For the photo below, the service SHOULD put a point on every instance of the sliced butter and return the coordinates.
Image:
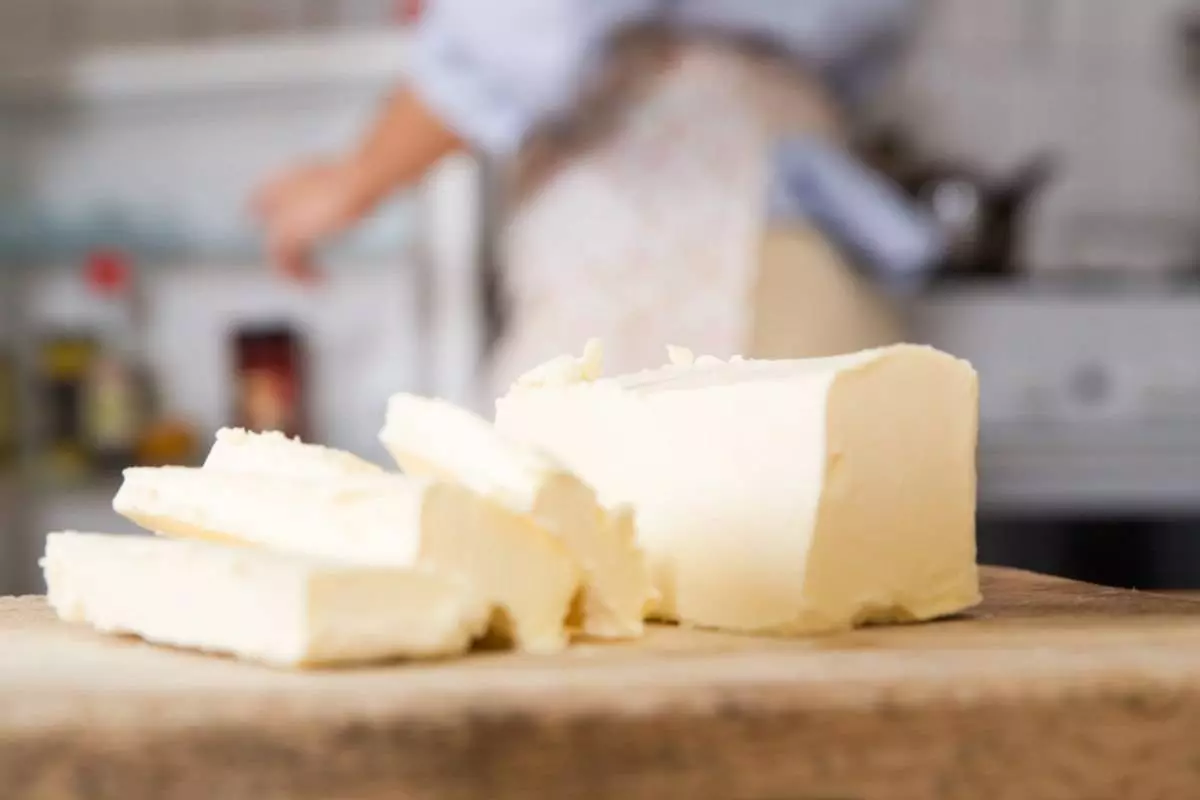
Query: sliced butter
(782, 496)
(273, 608)
(435, 439)
(274, 453)
(384, 520)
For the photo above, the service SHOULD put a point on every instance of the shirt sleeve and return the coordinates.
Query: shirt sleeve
(895, 240)
(492, 69)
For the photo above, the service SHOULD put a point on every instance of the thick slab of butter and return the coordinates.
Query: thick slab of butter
(435, 439)
(782, 496)
(274, 453)
(274, 608)
(384, 520)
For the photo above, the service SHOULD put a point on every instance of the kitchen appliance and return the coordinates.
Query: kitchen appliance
(982, 216)
(1090, 397)
(1089, 446)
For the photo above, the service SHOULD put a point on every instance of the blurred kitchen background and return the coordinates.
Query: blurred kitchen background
(1059, 139)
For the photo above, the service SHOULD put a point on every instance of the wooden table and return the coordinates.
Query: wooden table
(1051, 689)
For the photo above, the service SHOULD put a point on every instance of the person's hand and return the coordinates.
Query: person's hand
(304, 207)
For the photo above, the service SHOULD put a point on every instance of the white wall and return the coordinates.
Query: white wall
(177, 140)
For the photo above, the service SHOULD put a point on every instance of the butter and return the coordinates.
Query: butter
(373, 520)
(782, 496)
(680, 356)
(567, 369)
(274, 453)
(435, 439)
(278, 609)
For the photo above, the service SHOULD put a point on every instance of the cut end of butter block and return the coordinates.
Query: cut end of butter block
(273, 608)
(274, 453)
(783, 496)
(373, 520)
(434, 439)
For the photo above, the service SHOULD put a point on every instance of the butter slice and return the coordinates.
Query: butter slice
(274, 453)
(783, 496)
(278, 609)
(435, 439)
(383, 520)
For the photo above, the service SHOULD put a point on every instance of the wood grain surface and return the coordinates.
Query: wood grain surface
(1051, 689)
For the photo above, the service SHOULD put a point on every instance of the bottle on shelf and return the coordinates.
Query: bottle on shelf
(269, 385)
(117, 390)
(64, 362)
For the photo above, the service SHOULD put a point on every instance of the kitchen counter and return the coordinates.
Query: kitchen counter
(1050, 689)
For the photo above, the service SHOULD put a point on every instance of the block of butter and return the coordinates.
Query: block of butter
(435, 439)
(781, 496)
(279, 609)
(274, 453)
(377, 520)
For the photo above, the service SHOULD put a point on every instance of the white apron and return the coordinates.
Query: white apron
(647, 226)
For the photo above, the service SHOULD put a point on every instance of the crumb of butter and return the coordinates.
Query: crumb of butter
(680, 356)
(566, 370)
(684, 357)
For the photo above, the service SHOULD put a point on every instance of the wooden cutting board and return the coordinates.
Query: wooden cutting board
(1051, 689)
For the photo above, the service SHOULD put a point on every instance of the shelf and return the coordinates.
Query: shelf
(159, 71)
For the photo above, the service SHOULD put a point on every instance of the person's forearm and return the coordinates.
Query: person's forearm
(406, 140)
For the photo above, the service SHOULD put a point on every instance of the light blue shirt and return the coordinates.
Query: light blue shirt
(495, 69)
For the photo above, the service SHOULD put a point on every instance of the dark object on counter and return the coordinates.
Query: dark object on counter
(982, 217)
(269, 385)
(1147, 550)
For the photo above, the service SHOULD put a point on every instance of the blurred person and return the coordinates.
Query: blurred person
(644, 143)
